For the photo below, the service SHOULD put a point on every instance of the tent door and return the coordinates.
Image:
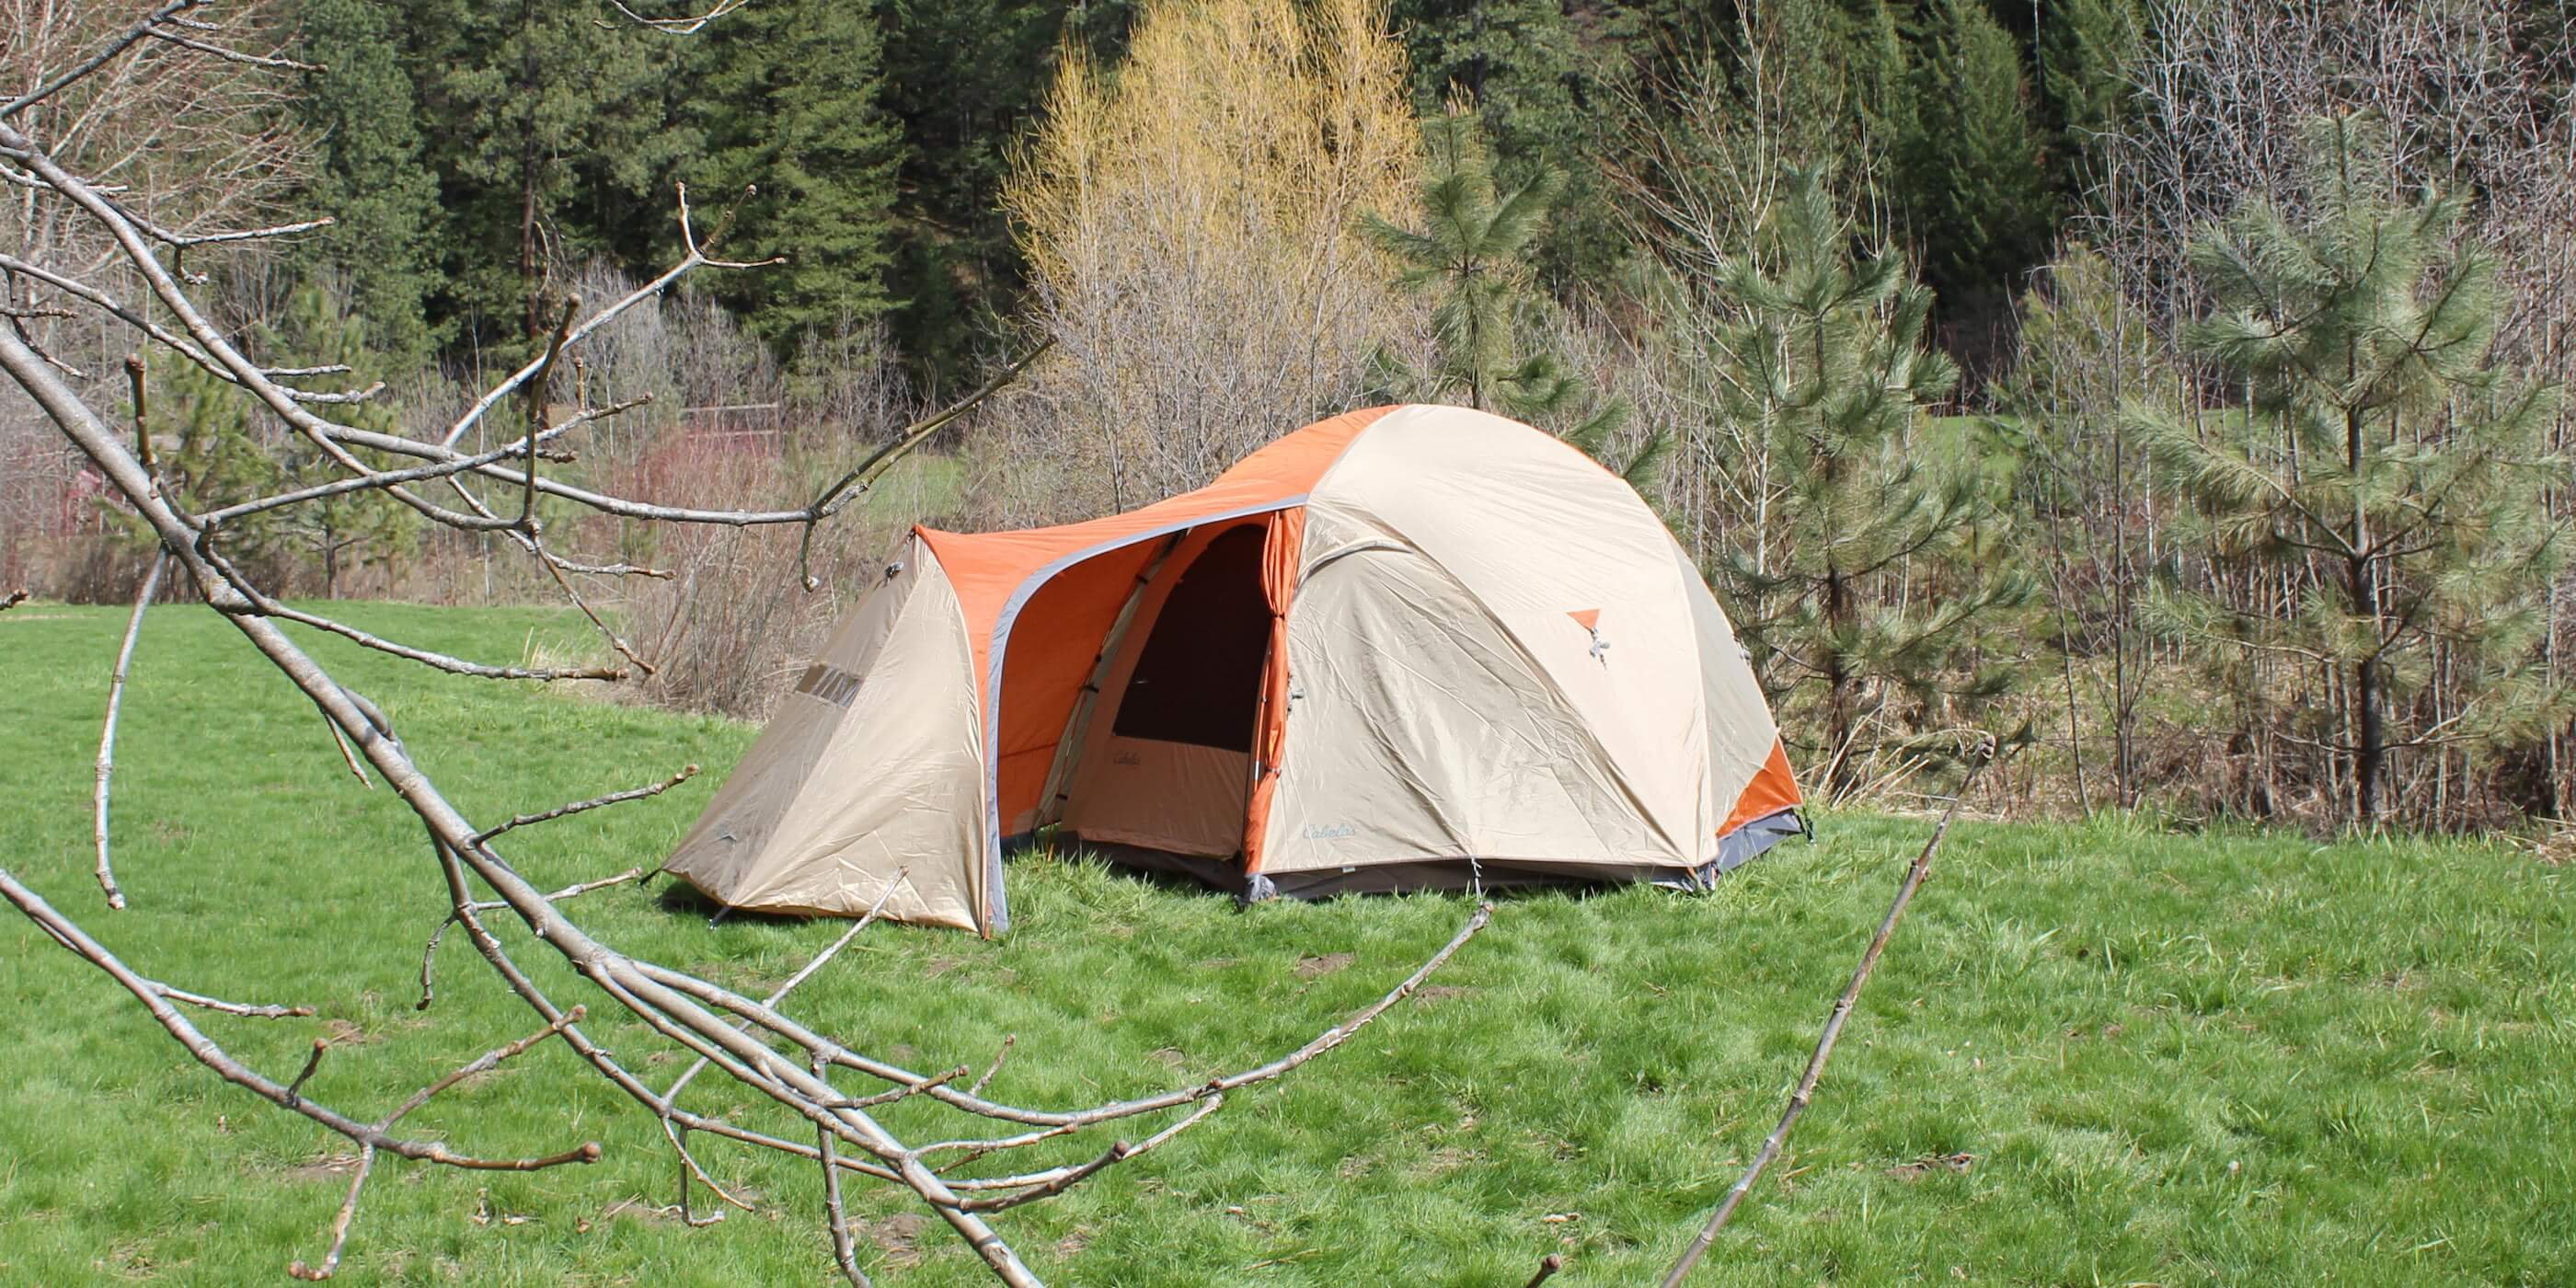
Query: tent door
(1077, 728)
(1172, 769)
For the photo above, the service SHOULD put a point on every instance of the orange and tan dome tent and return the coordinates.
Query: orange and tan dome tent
(1406, 647)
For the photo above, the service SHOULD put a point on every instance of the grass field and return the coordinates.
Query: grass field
(2095, 1055)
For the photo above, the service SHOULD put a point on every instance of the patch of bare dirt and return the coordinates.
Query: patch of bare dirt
(1311, 967)
(346, 1033)
(898, 1236)
(323, 1167)
(1930, 1163)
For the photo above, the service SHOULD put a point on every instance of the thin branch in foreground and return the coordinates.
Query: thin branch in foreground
(844, 1249)
(107, 728)
(977, 1087)
(1547, 1268)
(367, 1153)
(134, 379)
(233, 1008)
(585, 887)
(311, 1063)
(237, 56)
(686, 773)
(429, 953)
(1806, 1090)
(681, 26)
(438, 661)
(831, 499)
(779, 994)
(339, 1224)
(541, 390)
(156, 998)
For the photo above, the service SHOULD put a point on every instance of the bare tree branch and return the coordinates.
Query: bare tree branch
(107, 729)
(686, 773)
(1806, 1089)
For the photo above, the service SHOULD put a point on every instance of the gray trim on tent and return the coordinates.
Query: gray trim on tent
(1746, 843)
(1459, 872)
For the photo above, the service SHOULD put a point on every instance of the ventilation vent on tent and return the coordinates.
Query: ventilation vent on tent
(831, 684)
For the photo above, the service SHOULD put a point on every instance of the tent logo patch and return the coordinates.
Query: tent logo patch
(829, 683)
(1590, 620)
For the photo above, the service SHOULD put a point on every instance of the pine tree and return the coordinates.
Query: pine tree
(1472, 258)
(962, 80)
(553, 138)
(1878, 76)
(790, 93)
(369, 175)
(2388, 472)
(1535, 81)
(2085, 46)
(320, 326)
(1973, 194)
(1829, 370)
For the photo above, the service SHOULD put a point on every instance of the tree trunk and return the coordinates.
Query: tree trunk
(1841, 713)
(528, 164)
(2361, 573)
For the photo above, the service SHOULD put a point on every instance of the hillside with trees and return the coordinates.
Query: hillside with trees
(2173, 382)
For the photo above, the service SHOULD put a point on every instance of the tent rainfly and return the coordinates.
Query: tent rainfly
(1406, 647)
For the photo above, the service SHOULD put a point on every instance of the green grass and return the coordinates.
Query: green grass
(2174, 1059)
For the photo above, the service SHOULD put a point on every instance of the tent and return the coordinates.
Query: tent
(1406, 647)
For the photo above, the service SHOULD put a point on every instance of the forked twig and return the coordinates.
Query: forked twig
(156, 998)
(340, 1223)
(233, 1008)
(588, 1153)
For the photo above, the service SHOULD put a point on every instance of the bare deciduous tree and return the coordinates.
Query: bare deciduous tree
(1195, 250)
(824, 1086)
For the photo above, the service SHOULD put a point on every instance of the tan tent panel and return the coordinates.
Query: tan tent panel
(1407, 647)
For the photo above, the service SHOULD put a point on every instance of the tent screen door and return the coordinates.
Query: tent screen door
(1199, 676)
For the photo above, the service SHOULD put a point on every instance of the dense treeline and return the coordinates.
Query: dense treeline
(479, 148)
(2174, 382)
